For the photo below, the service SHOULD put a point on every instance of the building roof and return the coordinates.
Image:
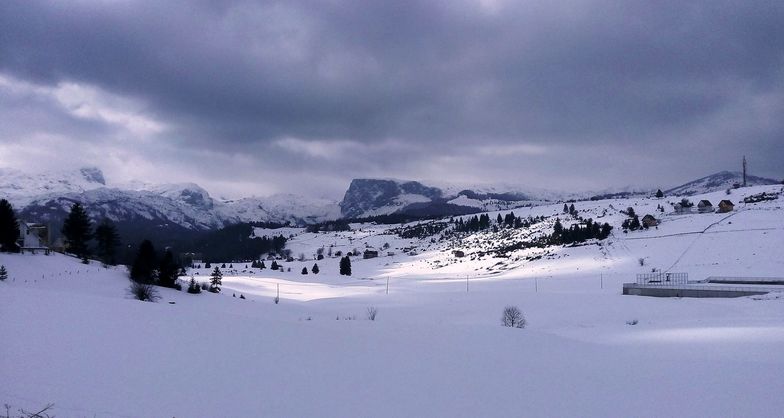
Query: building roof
(705, 203)
(726, 202)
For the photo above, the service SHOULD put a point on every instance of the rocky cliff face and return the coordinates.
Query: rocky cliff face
(369, 197)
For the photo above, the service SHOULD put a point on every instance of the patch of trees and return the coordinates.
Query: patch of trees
(9, 228)
(579, 232)
(420, 231)
(329, 226)
(234, 242)
(149, 268)
(77, 231)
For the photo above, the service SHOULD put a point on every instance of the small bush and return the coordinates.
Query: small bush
(372, 311)
(143, 292)
(513, 317)
(641, 261)
(276, 299)
(632, 322)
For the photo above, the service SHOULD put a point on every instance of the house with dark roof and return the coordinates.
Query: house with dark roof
(726, 206)
(705, 206)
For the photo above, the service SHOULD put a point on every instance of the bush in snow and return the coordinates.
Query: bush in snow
(641, 261)
(632, 322)
(143, 292)
(372, 311)
(513, 317)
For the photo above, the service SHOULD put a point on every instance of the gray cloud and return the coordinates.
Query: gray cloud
(577, 94)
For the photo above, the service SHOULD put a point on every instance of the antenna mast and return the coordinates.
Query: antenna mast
(744, 171)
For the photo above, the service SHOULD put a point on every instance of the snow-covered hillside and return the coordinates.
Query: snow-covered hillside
(436, 348)
(48, 196)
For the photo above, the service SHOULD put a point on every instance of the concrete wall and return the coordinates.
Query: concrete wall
(687, 293)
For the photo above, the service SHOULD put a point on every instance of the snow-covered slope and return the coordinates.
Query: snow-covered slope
(436, 347)
(719, 181)
(21, 188)
(49, 196)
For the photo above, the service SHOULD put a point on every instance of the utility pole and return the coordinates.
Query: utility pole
(466, 283)
(744, 171)
(387, 285)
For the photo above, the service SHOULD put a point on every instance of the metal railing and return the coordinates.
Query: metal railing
(662, 279)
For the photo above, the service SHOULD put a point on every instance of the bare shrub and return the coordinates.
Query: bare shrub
(632, 322)
(143, 292)
(372, 311)
(513, 317)
(641, 261)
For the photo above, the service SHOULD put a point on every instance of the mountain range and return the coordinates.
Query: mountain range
(176, 208)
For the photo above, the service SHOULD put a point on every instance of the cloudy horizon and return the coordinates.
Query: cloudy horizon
(255, 98)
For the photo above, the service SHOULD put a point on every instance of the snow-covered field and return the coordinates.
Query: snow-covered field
(71, 336)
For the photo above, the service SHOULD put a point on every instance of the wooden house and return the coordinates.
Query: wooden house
(705, 206)
(726, 206)
(649, 221)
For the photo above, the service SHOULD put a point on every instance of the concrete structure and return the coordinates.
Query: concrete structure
(695, 291)
(678, 285)
(705, 206)
(726, 206)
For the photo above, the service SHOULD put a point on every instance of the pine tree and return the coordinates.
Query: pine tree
(107, 241)
(499, 220)
(315, 269)
(659, 194)
(345, 266)
(145, 266)
(262, 266)
(77, 231)
(215, 280)
(208, 265)
(566, 208)
(167, 270)
(193, 287)
(274, 265)
(9, 228)
(571, 209)
(3, 273)
(304, 270)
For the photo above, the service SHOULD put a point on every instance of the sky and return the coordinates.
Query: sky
(261, 97)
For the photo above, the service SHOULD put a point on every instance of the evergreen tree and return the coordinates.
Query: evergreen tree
(77, 231)
(193, 287)
(145, 266)
(208, 265)
(566, 208)
(635, 223)
(659, 194)
(107, 241)
(345, 266)
(215, 280)
(274, 265)
(262, 266)
(315, 269)
(9, 228)
(3, 273)
(304, 270)
(571, 209)
(167, 270)
(499, 220)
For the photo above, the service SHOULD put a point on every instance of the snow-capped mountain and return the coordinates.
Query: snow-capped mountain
(22, 188)
(372, 197)
(722, 180)
(48, 197)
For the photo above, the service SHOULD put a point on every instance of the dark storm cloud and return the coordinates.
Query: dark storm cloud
(642, 77)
